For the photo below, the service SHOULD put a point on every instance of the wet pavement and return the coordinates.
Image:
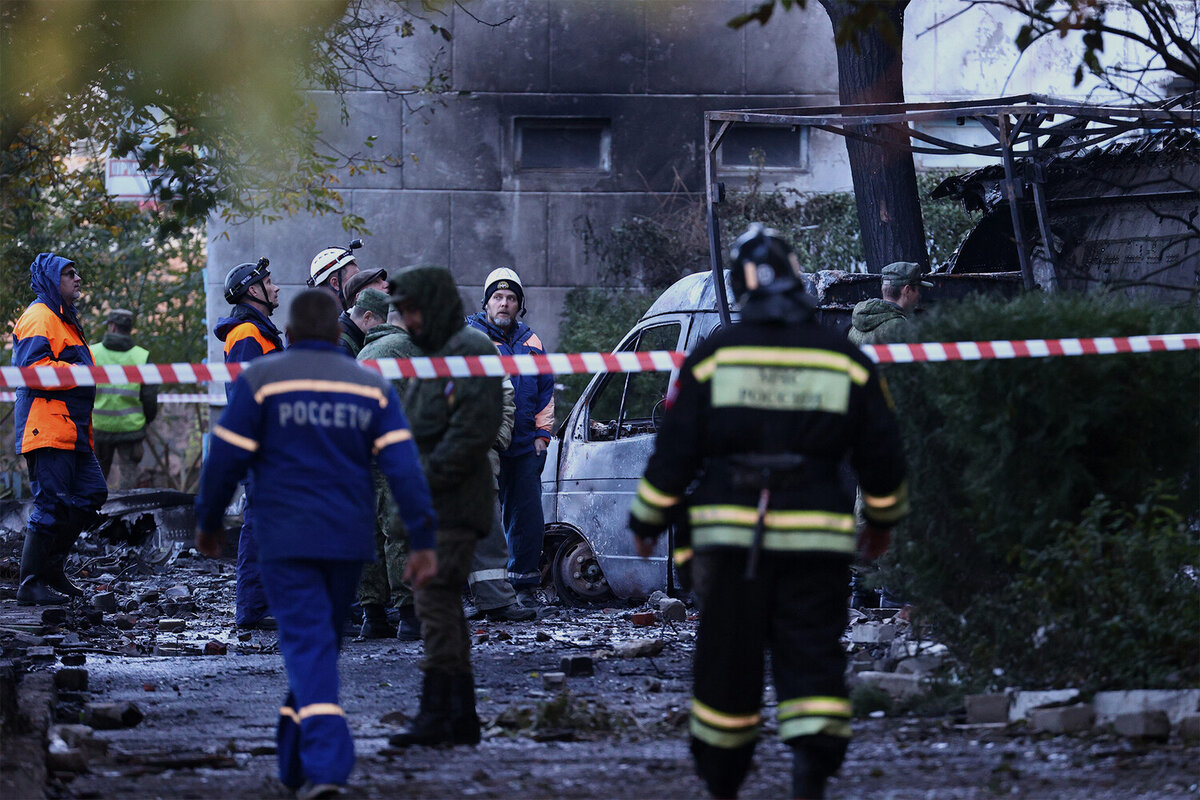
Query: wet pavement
(210, 696)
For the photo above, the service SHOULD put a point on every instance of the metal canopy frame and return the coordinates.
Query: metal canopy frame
(1031, 126)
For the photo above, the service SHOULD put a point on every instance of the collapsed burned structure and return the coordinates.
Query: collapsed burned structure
(1078, 215)
(1124, 216)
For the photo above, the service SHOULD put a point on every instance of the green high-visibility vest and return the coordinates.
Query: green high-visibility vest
(118, 405)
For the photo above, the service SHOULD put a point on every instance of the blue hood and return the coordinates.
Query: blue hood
(44, 275)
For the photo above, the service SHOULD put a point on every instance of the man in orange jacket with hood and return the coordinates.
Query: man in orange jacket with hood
(54, 433)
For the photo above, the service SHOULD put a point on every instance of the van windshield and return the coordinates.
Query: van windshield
(624, 404)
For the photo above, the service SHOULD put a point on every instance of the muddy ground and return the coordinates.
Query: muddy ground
(209, 720)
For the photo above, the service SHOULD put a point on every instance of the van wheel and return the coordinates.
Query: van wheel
(578, 579)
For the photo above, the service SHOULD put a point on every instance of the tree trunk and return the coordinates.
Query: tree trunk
(870, 62)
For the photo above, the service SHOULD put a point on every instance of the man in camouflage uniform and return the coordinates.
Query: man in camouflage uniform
(381, 580)
(887, 319)
(454, 422)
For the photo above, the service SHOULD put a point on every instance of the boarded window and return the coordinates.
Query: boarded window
(562, 144)
(762, 147)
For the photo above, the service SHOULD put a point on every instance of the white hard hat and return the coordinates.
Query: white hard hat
(503, 278)
(327, 262)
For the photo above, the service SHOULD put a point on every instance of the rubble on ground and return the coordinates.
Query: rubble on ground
(106, 687)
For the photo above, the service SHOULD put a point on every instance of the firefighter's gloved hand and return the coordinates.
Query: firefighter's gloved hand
(644, 536)
(873, 542)
(683, 571)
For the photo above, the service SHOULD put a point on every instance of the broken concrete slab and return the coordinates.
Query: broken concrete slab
(1153, 725)
(986, 708)
(71, 679)
(1188, 727)
(112, 716)
(105, 601)
(638, 648)
(553, 680)
(1177, 703)
(1062, 719)
(872, 633)
(577, 666)
(921, 666)
(898, 687)
(1024, 702)
(672, 610)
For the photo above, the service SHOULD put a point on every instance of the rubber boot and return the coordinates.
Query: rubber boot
(55, 576)
(36, 563)
(375, 623)
(464, 722)
(432, 724)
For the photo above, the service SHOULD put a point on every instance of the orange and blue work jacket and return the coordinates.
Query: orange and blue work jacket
(48, 334)
(247, 334)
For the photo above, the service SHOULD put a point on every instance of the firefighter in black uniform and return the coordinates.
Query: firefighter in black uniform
(761, 417)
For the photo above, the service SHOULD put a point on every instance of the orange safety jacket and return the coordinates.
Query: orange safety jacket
(48, 334)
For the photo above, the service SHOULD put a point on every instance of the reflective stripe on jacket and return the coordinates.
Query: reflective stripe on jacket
(119, 405)
(307, 425)
(770, 389)
(57, 418)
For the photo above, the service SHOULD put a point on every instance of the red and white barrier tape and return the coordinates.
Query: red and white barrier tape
(575, 363)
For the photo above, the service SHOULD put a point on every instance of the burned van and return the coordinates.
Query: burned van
(598, 454)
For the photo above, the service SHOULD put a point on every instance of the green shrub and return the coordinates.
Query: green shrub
(1113, 602)
(1006, 456)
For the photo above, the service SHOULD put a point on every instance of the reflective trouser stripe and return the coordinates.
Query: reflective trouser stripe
(815, 706)
(524, 576)
(720, 729)
(482, 575)
(811, 726)
(314, 710)
(808, 541)
(808, 716)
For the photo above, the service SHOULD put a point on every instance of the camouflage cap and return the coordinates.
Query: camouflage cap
(122, 317)
(903, 273)
(374, 301)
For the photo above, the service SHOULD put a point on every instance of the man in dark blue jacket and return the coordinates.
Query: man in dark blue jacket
(247, 334)
(54, 433)
(307, 425)
(520, 486)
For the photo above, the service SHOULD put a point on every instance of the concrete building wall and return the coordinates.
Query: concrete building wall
(649, 69)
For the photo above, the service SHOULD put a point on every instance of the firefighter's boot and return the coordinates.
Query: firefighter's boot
(36, 563)
(375, 623)
(432, 724)
(464, 722)
(811, 768)
(722, 768)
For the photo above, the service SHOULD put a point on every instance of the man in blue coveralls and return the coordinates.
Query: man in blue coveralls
(306, 418)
